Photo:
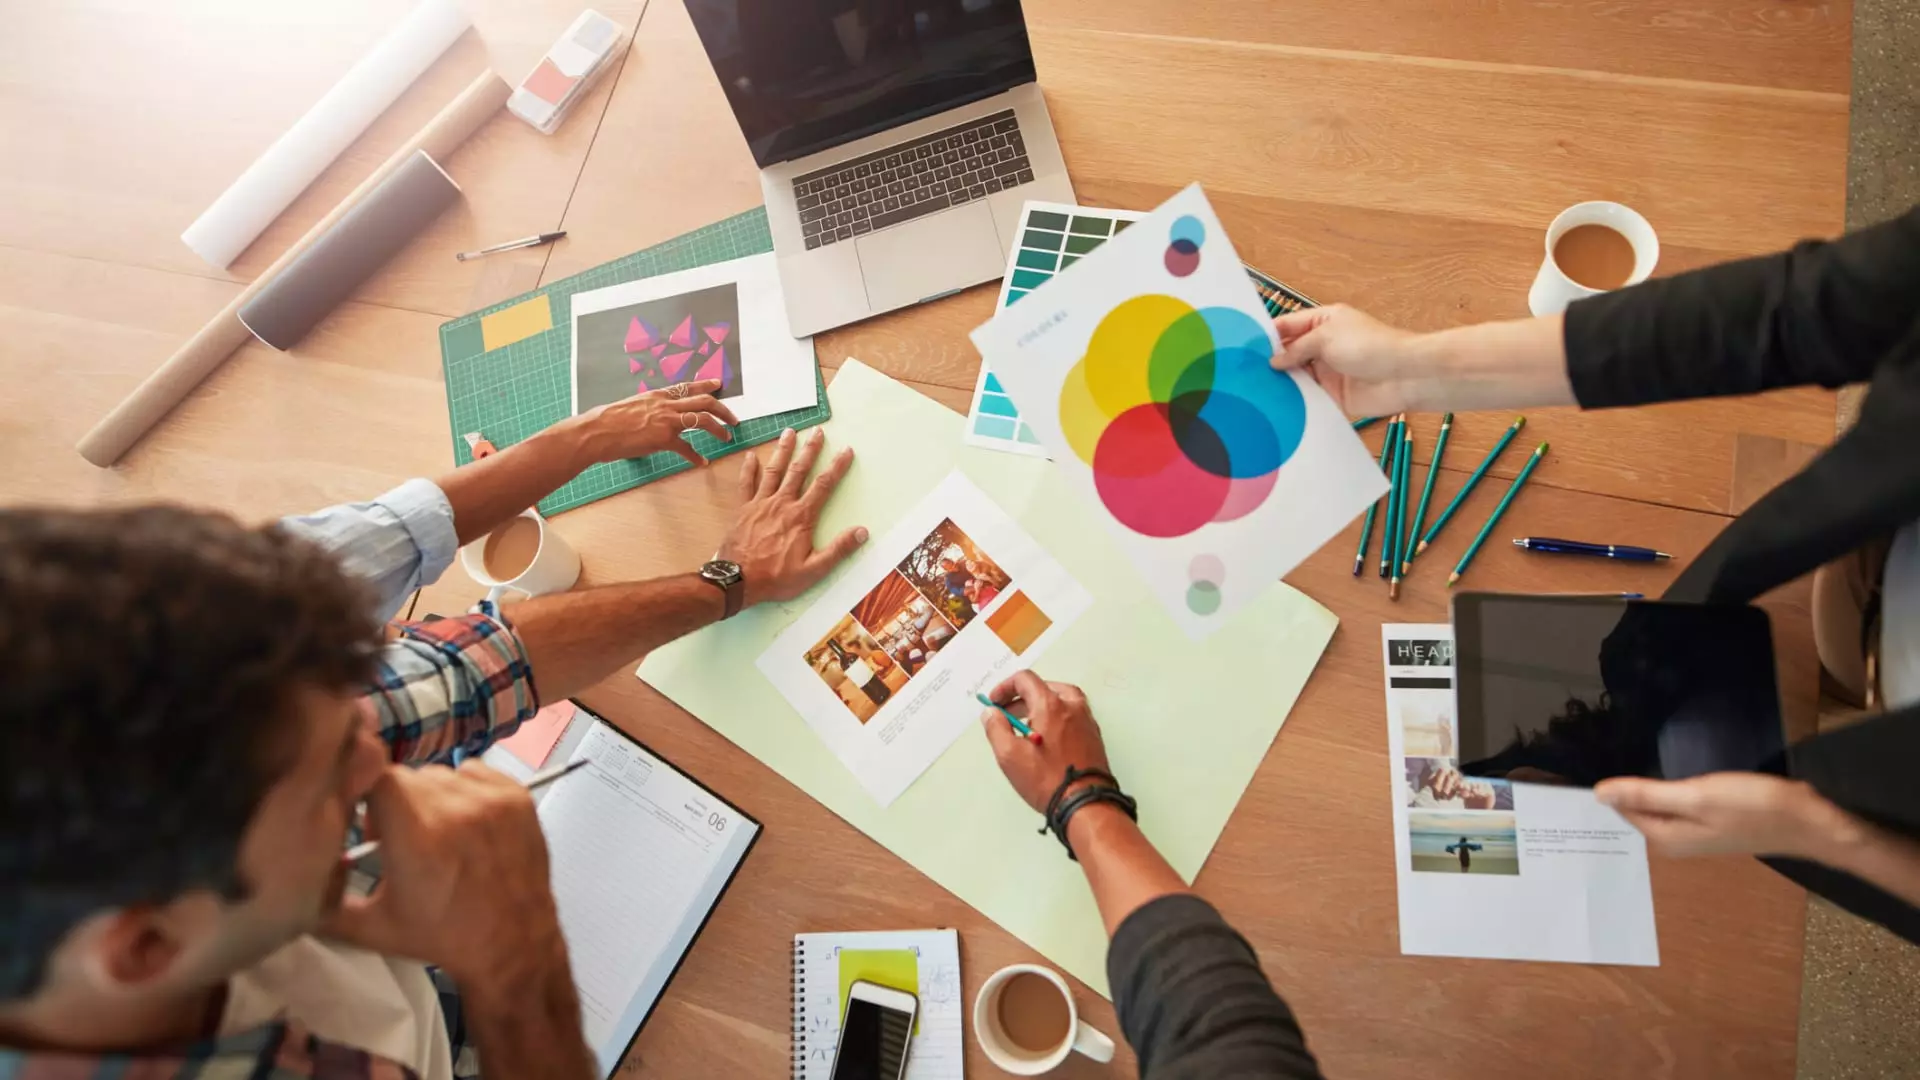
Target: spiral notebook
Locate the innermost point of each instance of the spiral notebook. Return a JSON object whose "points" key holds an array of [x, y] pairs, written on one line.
{"points": [[924, 962]]}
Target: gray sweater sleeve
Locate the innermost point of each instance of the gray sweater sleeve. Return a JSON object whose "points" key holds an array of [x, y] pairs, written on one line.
{"points": [[1193, 1002]]}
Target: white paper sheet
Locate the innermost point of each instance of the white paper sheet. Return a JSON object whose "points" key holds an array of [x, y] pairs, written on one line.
{"points": [[628, 337], [886, 665], [1145, 369], [1548, 873], [277, 177]]}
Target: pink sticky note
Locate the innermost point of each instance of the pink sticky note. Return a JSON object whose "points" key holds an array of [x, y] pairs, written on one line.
{"points": [[536, 738]]}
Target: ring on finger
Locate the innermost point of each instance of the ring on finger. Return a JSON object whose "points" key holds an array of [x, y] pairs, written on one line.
{"points": [[693, 421], [677, 390]]}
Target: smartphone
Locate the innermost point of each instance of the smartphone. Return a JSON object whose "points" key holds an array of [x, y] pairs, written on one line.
{"points": [[874, 1032], [1571, 690]]}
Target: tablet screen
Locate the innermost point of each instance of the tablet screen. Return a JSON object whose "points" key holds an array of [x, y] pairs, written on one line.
{"points": [[1574, 689]]}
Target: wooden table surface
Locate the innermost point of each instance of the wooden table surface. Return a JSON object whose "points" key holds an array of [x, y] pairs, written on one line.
{"points": [[1403, 156]]}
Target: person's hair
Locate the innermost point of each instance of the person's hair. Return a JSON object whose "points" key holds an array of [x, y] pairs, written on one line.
{"points": [[148, 661]]}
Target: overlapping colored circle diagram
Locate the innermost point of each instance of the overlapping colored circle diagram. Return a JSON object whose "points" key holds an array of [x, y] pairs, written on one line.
{"points": [[1180, 415]]}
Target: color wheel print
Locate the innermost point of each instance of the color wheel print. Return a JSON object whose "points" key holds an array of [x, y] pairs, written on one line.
{"points": [[1180, 414]]}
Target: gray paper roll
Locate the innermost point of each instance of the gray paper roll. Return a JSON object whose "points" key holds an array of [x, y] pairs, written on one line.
{"points": [[358, 244]]}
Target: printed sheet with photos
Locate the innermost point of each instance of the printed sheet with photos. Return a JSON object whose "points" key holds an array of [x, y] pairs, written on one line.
{"points": [[886, 665], [1492, 868], [959, 823]]}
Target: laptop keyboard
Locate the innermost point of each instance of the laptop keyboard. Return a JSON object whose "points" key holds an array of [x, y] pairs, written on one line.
{"points": [[913, 179]]}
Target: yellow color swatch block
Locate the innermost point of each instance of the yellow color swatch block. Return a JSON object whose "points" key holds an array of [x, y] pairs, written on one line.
{"points": [[517, 323]]}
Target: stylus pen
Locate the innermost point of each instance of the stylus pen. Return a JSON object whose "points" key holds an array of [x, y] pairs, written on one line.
{"points": [[1505, 500], [539, 780], [1026, 732], [1467, 488], [1366, 528], [512, 245], [1553, 546], [1426, 492]]}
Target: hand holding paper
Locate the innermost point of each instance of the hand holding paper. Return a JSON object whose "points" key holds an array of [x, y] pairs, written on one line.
{"points": [[1147, 372]]}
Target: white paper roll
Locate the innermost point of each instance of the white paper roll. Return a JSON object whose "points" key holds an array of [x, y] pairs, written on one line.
{"points": [[278, 176]]}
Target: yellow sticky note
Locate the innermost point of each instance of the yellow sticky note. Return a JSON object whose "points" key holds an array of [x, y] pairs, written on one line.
{"points": [[517, 323], [896, 969]]}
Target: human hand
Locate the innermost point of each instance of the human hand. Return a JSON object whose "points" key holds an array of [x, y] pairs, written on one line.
{"points": [[772, 539], [465, 881], [1359, 360], [654, 421], [1733, 813], [1059, 714]]}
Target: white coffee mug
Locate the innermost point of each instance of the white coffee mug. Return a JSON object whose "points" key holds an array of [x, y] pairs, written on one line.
{"points": [[1013, 1057], [1553, 290], [555, 566]]}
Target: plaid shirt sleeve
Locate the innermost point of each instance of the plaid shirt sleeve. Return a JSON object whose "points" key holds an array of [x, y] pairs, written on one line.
{"points": [[452, 684]]}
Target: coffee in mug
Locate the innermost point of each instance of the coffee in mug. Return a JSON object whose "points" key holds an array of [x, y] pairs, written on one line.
{"points": [[1025, 1020], [1595, 256], [511, 547], [1591, 248], [523, 555], [1033, 1013]]}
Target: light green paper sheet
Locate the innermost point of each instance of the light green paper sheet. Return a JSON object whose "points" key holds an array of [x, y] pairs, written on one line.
{"points": [[1186, 723]]}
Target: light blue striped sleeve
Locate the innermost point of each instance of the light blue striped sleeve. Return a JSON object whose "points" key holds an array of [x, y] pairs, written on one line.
{"points": [[397, 542]]}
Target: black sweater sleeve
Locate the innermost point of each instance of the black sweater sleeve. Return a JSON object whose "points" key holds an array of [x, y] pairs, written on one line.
{"points": [[1193, 1002], [1821, 312]]}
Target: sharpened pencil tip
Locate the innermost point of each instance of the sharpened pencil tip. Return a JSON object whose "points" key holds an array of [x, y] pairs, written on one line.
{"points": [[1519, 422], [1451, 578], [1358, 564], [1420, 550], [1393, 590]]}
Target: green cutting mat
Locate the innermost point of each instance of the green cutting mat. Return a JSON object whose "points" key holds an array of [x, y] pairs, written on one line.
{"points": [[519, 389]]}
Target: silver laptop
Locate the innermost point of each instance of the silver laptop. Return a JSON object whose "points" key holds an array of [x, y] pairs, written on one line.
{"points": [[896, 143]]}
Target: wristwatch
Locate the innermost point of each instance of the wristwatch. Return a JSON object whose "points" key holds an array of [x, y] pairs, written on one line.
{"points": [[725, 575]]}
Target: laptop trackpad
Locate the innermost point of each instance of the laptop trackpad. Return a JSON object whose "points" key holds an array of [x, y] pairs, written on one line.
{"points": [[950, 250]]}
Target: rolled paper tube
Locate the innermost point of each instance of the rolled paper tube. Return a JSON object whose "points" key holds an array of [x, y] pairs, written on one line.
{"points": [[359, 243], [207, 349], [278, 176]]}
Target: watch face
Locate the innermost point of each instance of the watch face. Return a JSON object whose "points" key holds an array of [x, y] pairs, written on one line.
{"points": [[721, 572]]}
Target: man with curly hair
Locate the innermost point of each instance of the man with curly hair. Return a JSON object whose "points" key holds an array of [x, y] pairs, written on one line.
{"points": [[193, 712]]}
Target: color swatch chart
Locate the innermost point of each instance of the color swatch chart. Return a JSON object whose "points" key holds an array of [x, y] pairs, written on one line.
{"points": [[1052, 237]]}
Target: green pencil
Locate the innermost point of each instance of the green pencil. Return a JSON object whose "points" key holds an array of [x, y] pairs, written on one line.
{"points": [[1426, 493], [1401, 538], [1398, 433], [1366, 530], [1525, 471], [1363, 422], [1467, 488]]}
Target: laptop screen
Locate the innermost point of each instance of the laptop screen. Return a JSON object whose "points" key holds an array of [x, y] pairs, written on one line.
{"points": [[806, 75]]}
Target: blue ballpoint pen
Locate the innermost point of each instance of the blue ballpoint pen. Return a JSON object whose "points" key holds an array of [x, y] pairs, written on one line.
{"points": [[1553, 546]]}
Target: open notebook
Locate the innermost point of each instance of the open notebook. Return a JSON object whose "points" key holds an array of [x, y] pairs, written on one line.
{"points": [[640, 854], [923, 962]]}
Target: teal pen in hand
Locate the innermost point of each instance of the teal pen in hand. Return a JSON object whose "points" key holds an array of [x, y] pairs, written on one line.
{"points": [[1026, 732]]}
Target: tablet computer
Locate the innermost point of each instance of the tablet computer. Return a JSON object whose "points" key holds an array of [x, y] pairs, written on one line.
{"points": [[1572, 690]]}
